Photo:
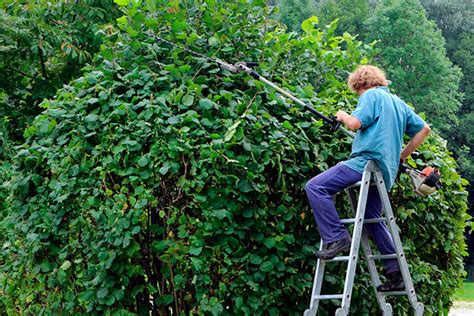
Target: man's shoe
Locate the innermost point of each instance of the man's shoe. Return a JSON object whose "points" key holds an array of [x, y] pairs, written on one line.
{"points": [[394, 283], [334, 248]]}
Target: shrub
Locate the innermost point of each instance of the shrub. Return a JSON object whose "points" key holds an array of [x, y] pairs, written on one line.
{"points": [[158, 182]]}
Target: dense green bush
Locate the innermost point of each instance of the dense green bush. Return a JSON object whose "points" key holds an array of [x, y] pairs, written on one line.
{"points": [[159, 182]]}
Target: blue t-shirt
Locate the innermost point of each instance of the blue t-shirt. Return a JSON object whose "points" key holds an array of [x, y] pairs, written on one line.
{"points": [[385, 118]]}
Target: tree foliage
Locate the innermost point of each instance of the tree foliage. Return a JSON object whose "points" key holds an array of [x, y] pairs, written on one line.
{"points": [[455, 20], [415, 57], [158, 182], [411, 51], [293, 12], [351, 15], [43, 46]]}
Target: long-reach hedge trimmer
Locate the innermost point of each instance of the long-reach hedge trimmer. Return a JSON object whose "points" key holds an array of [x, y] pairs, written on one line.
{"points": [[425, 182]]}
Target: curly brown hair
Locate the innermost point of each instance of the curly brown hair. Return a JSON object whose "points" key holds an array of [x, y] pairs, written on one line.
{"points": [[366, 77]]}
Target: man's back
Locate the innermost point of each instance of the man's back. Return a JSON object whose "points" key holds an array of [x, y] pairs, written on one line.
{"points": [[385, 118]]}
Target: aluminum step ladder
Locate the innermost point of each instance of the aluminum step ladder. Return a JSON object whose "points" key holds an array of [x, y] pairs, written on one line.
{"points": [[371, 176]]}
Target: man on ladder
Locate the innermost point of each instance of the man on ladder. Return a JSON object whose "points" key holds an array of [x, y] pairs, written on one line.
{"points": [[381, 119]]}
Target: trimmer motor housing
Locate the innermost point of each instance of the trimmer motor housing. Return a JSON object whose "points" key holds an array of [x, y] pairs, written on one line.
{"points": [[425, 182]]}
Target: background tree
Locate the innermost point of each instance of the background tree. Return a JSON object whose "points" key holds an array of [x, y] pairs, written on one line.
{"points": [[411, 50], [458, 26], [293, 12], [455, 19], [351, 15]]}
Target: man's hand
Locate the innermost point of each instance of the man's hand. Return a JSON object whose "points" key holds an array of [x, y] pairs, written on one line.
{"points": [[341, 115], [348, 120]]}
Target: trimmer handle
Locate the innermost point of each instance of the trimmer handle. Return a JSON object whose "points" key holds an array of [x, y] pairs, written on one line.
{"points": [[402, 168], [335, 124], [251, 64]]}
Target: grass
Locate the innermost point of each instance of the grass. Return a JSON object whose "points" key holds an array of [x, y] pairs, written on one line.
{"points": [[466, 293]]}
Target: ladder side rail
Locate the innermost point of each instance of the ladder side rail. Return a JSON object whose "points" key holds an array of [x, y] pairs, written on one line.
{"points": [[318, 282], [356, 236], [417, 306]]}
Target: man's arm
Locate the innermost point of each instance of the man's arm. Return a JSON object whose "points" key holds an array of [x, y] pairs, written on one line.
{"points": [[415, 142], [348, 120]]}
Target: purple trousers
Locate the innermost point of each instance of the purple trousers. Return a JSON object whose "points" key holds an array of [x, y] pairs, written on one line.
{"points": [[320, 191]]}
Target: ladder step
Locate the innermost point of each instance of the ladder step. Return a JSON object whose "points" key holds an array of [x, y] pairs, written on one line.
{"points": [[329, 297], [366, 221], [394, 293], [382, 257], [358, 184], [341, 258]]}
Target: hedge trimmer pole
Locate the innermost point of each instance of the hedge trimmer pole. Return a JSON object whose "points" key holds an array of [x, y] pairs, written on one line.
{"points": [[245, 67], [335, 125]]}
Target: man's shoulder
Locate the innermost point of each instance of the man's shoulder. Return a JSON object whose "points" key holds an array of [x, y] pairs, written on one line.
{"points": [[378, 93], [370, 96], [388, 95]]}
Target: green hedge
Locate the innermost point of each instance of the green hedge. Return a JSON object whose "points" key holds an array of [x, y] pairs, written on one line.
{"points": [[159, 182]]}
